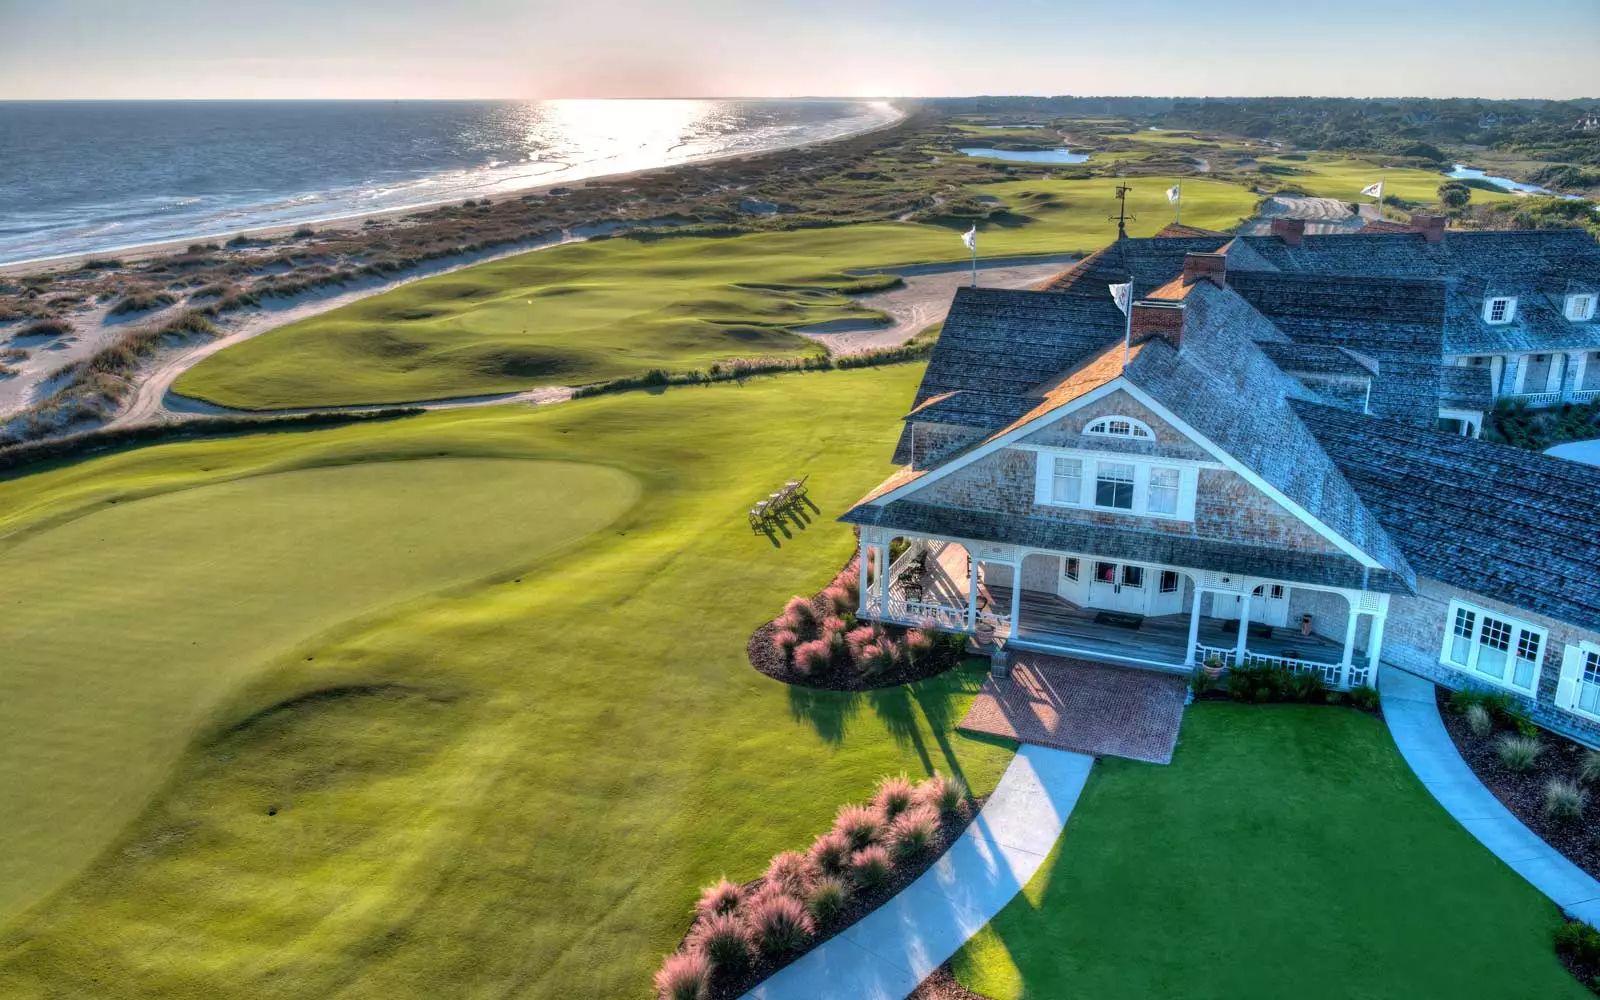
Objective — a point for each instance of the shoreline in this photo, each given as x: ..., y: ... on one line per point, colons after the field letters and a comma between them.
x: 138, y: 252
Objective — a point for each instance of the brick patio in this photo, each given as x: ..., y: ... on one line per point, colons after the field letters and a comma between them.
x: 1078, y: 705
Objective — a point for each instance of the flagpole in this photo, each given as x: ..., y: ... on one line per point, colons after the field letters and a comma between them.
x: 974, y: 263
x: 1127, y: 326
x: 1177, y: 215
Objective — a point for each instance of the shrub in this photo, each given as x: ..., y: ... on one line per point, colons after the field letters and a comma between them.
x: 919, y: 645
x: 870, y: 866
x: 1200, y: 681
x: 1517, y: 753
x: 1578, y: 943
x: 1589, y: 771
x: 780, y: 924
x: 1564, y: 800
x: 876, y: 657
x: 303, y: 232
x: 683, y: 976
x: 798, y: 611
x: 725, y: 941
x: 1306, y: 685
x: 812, y: 656
x: 894, y: 796
x: 941, y: 793
x: 784, y: 641
x: 835, y: 641
x: 826, y: 900
x: 859, y: 825
x: 720, y: 897
x: 858, y: 639
x: 1364, y: 697
x: 1479, y: 720
x: 831, y: 852
x: 913, y: 831
x: 833, y: 623
x: 792, y: 871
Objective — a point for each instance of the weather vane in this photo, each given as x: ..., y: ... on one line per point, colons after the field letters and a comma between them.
x: 1122, y: 218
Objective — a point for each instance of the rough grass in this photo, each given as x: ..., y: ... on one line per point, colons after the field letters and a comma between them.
x: 515, y: 787
x: 1283, y: 845
x: 619, y: 308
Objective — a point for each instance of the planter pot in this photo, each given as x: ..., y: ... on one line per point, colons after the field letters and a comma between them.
x: 984, y: 634
x: 1214, y: 672
x: 1305, y: 624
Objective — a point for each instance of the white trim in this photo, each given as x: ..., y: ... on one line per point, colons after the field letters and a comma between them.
x: 1240, y: 469
x: 1470, y: 668
x: 1044, y: 491
x: 1569, y: 689
x: 1583, y: 315
x: 1510, y: 314
x: 1138, y: 429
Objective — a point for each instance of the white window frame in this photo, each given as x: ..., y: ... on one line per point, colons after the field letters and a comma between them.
x: 1118, y: 474
x: 1137, y: 430
x: 1510, y: 303
x: 1056, y: 478
x: 1045, y: 482
x: 1475, y: 646
x: 1575, y: 659
x: 1072, y: 568
x: 1580, y: 306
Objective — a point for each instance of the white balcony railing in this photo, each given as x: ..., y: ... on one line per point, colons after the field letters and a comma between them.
x: 1330, y: 671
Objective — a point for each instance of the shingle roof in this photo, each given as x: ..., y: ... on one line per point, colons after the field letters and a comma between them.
x: 1463, y: 388
x: 1512, y: 525
x: 1319, y: 359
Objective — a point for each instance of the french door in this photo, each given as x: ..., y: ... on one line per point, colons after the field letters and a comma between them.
x: 1269, y: 605
x: 1117, y: 586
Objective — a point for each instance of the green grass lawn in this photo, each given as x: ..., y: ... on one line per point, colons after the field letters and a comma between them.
x: 450, y: 753
x: 1327, y: 175
x: 1287, y: 851
x: 590, y: 312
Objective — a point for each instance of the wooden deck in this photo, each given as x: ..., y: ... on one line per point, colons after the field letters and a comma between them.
x: 1048, y: 620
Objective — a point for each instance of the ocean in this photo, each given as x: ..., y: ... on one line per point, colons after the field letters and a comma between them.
x: 98, y: 176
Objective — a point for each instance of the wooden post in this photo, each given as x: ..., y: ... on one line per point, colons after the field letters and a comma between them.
x: 972, y: 590
x: 1375, y: 648
x: 883, y: 580
x: 1016, y: 598
x: 1194, y: 627
x: 1349, y: 643
x: 861, y: 573
x: 1239, y: 651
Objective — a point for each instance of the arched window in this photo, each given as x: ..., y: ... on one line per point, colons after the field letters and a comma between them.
x: 1123, y: 427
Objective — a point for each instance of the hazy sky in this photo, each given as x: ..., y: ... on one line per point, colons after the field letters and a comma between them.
x: 687, y: 48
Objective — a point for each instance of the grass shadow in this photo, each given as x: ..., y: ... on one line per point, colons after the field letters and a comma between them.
x: 827, y: 712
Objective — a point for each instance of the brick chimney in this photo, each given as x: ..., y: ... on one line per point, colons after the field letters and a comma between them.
x: 1289, y: 231
x: 1430, y: 226
x: 1198, y: 266
x: 1151, y: 319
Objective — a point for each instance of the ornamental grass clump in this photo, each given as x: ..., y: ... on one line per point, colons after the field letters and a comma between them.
x: 870, y: 866
x: 810, y: 657
x: 685, y: 975
x: 1564, y: 800
x: 1517, y: 753
x: 718, y: 898
x: 833, y: 623
x: 792, y: 872
x: 876, y: 657
x: 831, y: 853
x: 1479, y: 720
x: 835, y: 641
x: 726, y: 943
x: 859, y: 825
x: 780, y: 924
x: 919, y: 645
x: 826, y: 900
x: 797, y: 614
x: 1589, y: 771
x: 839, y: 599
x: 941, y: 793
x: 913, y: 832
x: 894, y: 796
x: 859, y: 638
x: 784, y: 641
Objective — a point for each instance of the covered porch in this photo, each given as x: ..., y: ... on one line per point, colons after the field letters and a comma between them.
x: 1146, y: 615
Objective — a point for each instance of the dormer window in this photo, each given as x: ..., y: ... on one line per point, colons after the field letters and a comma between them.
x: 1122, y: 427
x: 1580, y: 307
x: 1500, y: 309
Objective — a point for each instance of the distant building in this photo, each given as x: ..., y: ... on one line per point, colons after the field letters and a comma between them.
x: 1266, y: 448
x: 1589, y: 122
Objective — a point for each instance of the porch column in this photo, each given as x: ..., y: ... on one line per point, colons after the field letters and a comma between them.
x: 861, y: 573
x: 883, y: 580
x: 972, y: 590
x: 1350, y: 624
x: 1016, y: 599
x: 1194, y: 627
x: 1375, y: 648
x: 1244, y: 627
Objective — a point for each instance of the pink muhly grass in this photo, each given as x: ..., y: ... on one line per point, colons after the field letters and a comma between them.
x: 850, y: 580
x: 839, y: 599
x: 683, y: 976
x: 860, y: 825
x: 793, y: 871
x: 827, y: 899
x: 780, y: 924
x: 725, y: 941
x: 913, y: 831
x: 860, y: 638
x: 833, y: 623
x: 918, y: 644
x: 941, y: 793
x: 720, y: 897
x: 784, y: 640
x: 836, y: 642
x: 812, y: 656
x: 894, y: 795
x: 831, y: 852
x: 870, y: 866
x: 799, y: 609
x: 876, y: 657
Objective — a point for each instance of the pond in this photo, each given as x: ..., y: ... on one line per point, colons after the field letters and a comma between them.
x: 1462, y: 172
x: 1062, y: 155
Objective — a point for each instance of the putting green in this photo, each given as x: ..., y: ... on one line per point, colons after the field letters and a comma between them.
x: 125, y: 628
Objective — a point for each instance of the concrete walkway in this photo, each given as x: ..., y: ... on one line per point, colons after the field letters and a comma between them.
x: 886, y: 955
x: 1412, y: 715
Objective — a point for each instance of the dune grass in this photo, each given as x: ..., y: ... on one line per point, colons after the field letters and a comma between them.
x: 613, y: 308
x: 1287, y: 850
x: 513, y: 786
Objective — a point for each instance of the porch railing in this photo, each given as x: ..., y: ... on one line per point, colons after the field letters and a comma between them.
x: 1585, y: 395
x: 1538, y: 398
x: 1330, y: 671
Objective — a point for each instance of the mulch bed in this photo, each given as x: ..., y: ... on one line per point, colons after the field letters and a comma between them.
x: 842, y: 674
x: 857, y: 907
x: 941, y: 985
x: 1523, y: 794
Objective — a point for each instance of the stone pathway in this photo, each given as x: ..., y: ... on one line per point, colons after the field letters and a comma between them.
x: 1079, y: 705
x: 1412, y: 714
x: 885, y: 955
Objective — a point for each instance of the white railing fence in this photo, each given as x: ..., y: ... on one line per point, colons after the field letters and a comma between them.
x: 1330, y: 671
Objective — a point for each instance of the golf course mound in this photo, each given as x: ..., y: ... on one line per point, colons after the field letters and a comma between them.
x: 126, y: 628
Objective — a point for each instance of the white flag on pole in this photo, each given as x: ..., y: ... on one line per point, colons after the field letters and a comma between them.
x: 1374, y: 190
x: 1173, y: 193
x: 1120, y: 295
x: 970, y: 238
